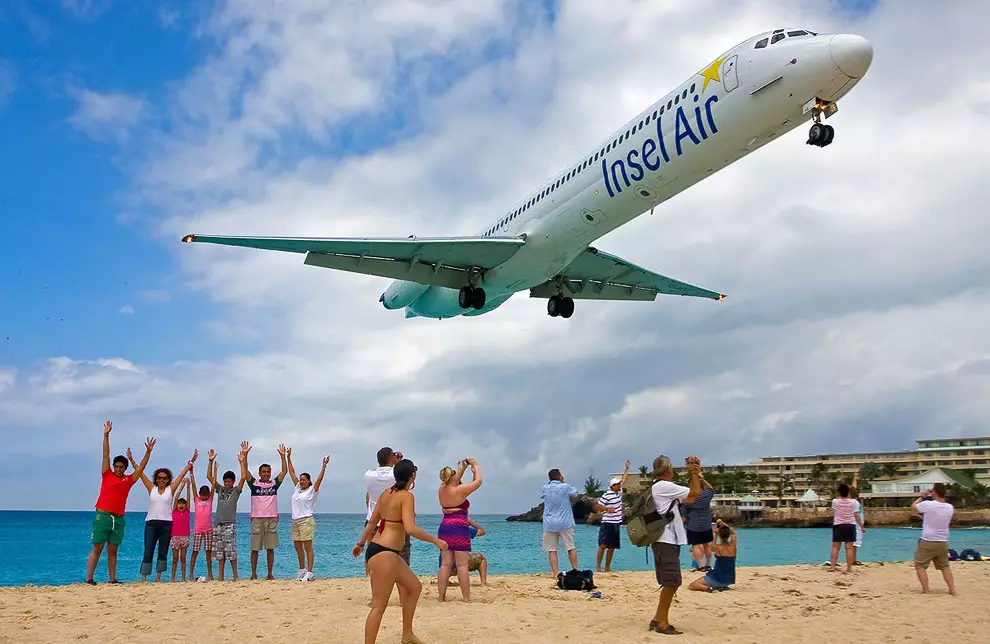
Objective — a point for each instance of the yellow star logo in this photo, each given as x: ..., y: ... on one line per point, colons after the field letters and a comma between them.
x: 711, y: 73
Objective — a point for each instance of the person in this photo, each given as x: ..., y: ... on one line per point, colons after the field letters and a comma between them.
x: 393, y: 517
x: 225, y: 526
x: 698, y: 526
x: 609, y: 533
x: 304, y: 495
x: 667, y: 496
x: 108, y: 523
x: 264, y: 508
x: 854, y: 495
x: 158, y: 521
x: 558, y: 519
x: 844, y: 524
x: 476, y: 560
x: 933, y: 546
x: 455, y: 527
x: 178, y: 543
x: 723, y: 574
x: 377, y: 481
x: 203, y: 529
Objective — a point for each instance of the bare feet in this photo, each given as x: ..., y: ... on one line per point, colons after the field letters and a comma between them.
x: 410, y: 638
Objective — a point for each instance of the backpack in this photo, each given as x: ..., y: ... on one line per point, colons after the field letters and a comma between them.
x: 648, y: 525
x: 576, y: 580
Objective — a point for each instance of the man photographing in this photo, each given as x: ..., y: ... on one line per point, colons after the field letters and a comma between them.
x: 933, y: 546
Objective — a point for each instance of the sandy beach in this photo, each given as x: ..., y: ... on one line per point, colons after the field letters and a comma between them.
x: 876, y: 603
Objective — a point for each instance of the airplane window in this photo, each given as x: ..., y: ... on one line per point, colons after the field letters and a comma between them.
x: 670, y: 104
x: 761, y: 44
x: 777, y: 31
x: 776, y: 38
x: 797, y: 33
x: 655, y: 114
x: 641, y: 125
x: 693, y: 85
x: 661, y: 110
x: 627, y: 134
x: 676, y: 99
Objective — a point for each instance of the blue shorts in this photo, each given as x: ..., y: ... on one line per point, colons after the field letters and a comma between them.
x: 712, y: 583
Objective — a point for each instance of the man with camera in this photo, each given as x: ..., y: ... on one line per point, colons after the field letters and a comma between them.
x: 667, y: 496
x: 933, y: 546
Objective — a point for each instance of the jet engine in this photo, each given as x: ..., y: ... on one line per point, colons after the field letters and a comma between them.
x: 401, y: 294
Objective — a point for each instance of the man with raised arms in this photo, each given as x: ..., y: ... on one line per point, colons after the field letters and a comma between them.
x: 108, y: 524
x: 264, y: 508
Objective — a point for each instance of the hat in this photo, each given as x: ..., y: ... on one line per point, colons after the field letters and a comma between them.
x: 615, y: 480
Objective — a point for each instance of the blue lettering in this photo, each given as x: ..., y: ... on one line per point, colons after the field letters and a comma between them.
x: 708, y: 111
x: 615, y: 179
x: 649, y: 147
x: 680, y: 121
x: 637, y: 169
x: 697, y: 119
x: 605, y: 176
x: 663, y: 145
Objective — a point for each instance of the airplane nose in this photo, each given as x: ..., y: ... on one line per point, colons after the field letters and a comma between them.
x: 852, y: 54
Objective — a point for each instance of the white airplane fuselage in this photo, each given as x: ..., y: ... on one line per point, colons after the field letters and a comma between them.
x: 745, y: 99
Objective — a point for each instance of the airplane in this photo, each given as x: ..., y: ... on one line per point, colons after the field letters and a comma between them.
x: 748, y: 96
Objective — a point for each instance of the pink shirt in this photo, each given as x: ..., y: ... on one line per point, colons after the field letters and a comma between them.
x: 845, y: 511
x: 264, y: 498
x: 204, y: 515
x: 180, y: 523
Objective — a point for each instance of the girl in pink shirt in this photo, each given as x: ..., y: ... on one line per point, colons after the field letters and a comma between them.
x: 180, y: 530
x: 203, y: 529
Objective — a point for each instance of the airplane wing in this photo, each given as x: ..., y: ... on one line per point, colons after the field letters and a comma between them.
x: 435, y: 261
x: 595, y: 275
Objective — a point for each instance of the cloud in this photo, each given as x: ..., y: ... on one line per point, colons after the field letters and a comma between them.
x: 8, y: 82
x: 154, y: 295
x: 110, y: 116
x: 127, y: 309
x: 169, y: 17
x: 87, y: 10
x: 856, y: 274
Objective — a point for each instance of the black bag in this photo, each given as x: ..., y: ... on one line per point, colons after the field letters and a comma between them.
x: 576, y: 580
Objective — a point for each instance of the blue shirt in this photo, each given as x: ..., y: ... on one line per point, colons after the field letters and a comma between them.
x: 557, y: 512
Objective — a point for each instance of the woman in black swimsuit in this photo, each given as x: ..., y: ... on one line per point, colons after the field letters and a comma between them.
x: 394, y: 516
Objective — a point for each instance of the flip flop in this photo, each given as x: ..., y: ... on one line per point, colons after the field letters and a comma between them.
x: 669, y: 630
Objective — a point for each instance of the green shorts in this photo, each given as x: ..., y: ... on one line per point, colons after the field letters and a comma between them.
x: 108, y: 528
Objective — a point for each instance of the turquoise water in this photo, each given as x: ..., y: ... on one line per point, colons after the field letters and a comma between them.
x: 50, y: 548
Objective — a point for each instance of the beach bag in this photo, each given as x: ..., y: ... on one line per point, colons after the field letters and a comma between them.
x: 647, y: 527
x: 576, y: 580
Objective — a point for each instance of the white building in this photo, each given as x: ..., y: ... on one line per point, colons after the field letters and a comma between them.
x: 915, y: 485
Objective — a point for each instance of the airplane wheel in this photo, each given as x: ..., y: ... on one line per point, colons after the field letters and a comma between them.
x: 817, y: 134
x: 478, y: 298
x: 464, y: 297
x: 567, y: 308
x: 829, y: 135
x: 553, y: 306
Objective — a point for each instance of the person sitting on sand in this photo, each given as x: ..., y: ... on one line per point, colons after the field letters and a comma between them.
x: 179, y: 541
x: 455, y: 525
x: 393, y: 518
x: 723, y: 574
x: 108, y: 524
x: 304, y: 494
x: 158, y: 521
x: 844, y: 528
x: 476, y: 560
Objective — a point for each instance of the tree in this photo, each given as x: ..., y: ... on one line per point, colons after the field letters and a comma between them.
x: 761, y: 483
x: 890, y: 469
x: 643, y: 470
x: 817, y: 477
x: 592, y: 486
x: 867, y: 473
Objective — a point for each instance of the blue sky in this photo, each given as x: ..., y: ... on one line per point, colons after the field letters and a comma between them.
x: 125, y: 125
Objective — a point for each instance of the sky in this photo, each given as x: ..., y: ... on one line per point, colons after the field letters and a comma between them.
x: 856, y: 274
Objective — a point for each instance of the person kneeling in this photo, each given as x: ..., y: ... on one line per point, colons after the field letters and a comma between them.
x: 723, y: 574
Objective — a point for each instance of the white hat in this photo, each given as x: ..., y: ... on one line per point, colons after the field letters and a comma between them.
x: 614, y: 481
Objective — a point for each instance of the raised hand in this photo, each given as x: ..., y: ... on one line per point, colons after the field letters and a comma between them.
x: 281, y: 450
x: 326, y: 460
x: 107, y: 428
x: 212, y: 455
x: 245, y: 448
x: 628, y: 463
x: 130, y: 456
x: 194, y: 456
x: 150, y: 443
x: 242, y: 455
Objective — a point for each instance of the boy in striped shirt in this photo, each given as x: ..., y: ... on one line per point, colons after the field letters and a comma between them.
x: 610, y: 504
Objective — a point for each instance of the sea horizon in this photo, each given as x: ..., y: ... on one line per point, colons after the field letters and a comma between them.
x: 50, y: 547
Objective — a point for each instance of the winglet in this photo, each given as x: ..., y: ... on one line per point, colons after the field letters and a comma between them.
x: 188, y: 239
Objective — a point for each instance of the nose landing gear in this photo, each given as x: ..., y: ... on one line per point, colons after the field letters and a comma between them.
x: 821, y: 135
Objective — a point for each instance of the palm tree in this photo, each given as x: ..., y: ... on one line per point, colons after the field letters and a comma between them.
x: 890, y: 469
x: 816, y: 478
x: 643, y: 470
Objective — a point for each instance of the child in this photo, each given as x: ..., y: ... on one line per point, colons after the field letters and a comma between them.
x: 723, y: 574
x: 179, y: 542
x: 226, y: 528
x: 203, y: 528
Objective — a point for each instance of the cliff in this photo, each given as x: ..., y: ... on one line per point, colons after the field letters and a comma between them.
x: 582, y: 505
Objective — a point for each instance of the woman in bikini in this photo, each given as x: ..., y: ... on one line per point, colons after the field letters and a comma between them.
x: 394, y: 516
x: 455, y: 529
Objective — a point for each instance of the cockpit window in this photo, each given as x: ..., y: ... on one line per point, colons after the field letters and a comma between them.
x: 763, y: 43
x: 797, y: 33
x: 776, y: 38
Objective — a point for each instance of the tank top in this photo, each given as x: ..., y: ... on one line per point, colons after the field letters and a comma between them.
x: 724, y: 571
x: 159, y: 505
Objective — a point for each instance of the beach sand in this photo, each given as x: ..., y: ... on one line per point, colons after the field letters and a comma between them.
x: 876, y: 603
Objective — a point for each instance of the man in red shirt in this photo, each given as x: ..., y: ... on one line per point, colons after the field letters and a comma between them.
x: 108, y: 524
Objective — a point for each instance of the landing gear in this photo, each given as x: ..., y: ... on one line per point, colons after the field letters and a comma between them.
x: 821, y: 135
x: 558, y: 305
x: 471, y: 297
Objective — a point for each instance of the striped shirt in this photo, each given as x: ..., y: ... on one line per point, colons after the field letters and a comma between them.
x: 699, y: 513
x: 612, y: 500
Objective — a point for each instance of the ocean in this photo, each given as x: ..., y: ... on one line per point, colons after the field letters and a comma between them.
x: 50, y: 548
